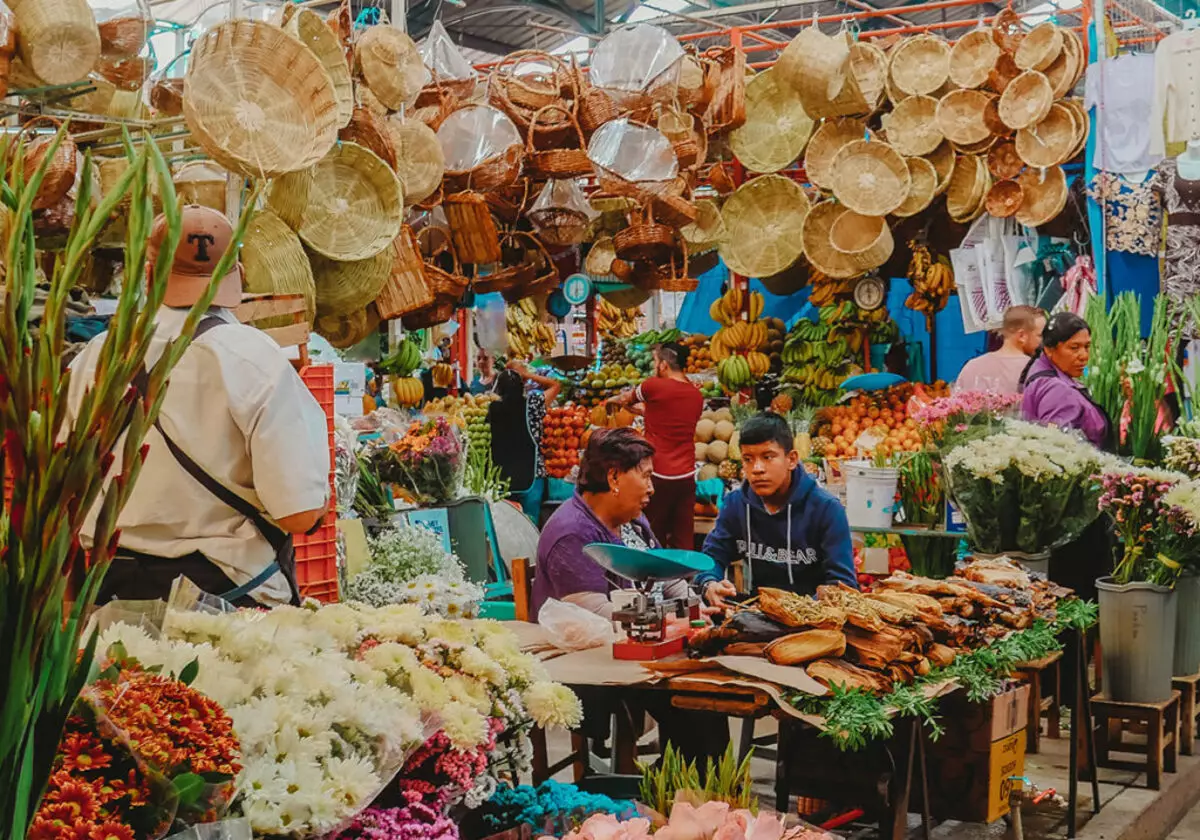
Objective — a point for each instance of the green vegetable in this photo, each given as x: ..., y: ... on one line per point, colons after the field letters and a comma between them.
x: 661, y: 781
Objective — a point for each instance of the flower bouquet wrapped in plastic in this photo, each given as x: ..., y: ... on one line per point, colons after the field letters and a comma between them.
x: 427, y: 462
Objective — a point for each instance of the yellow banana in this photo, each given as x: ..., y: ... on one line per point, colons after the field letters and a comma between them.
x: 756, y: 305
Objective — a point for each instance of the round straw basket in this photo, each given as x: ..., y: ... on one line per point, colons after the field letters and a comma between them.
x: 354, y: 206
x: 708, y: 231
x: 1002, y: 74
x: 764, y: 219
x: 345, y: 331
x: 420, y: 162
x: 1051, y: 141
x: 59, y: 40
x: 923, y: 184
x: 472, y: 229
x: 503, y: 170
x: 166, y: 97
x: 288, y: 196
x: 870, y: 177
x: 201, y: 182
x: 826, y: 142
x: 600, y: 257
x: 406, y: 289
x: 973, y: 58
x: 560, y: 226
x: 865, y: 241
x: 258, y: 101
x: 1039, y: 47
x: 391, y: 65
x: 370, y: 131
x: 968, y: 188
x: 920, y: 65
x: 817, y: 246
x: 1083, y: 126
x: 1003, y: 162
x: 311, y: 30
x: 646, y: 239
x: 960, y: 116
x: 1063, y: 72
x: 275, y: 263
x: 817, y: 67
x: 1004, y: 199
x: 869, y: 64
x: 1008, y: 30
x: 344, y: 287
x: 430, y: 316
x: 991, y: 118
x: 1026, y: 100
x: 1074, y: 47
x: 128, y: 73
x: 125, y: 35
x: 570, y: 162
x: 912, y: 127
x: 60, y: 171
x: 1045, y: 195
x: 776, y: 128
x: 943, y: 160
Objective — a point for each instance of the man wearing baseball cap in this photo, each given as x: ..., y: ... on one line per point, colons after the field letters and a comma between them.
x: 239, y: 459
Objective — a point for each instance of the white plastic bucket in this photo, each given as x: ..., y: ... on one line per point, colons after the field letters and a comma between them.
x: 870, y: 494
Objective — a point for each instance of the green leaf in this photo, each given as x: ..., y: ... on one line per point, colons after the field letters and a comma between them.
x: 188, y: 787
x: 188, y: 675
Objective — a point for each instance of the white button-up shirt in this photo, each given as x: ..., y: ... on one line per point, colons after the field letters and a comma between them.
x: 238, y: 408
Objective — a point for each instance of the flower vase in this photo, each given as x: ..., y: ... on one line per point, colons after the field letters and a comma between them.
x: 1137, y: 640
x: 1187, y: 625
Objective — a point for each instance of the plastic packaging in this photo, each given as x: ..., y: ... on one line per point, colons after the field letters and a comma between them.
x: 635, y: 152
x: 475, y: 134
x: 637, y: 62
x: 490, y: 326
x: 232, y: 829
x: 571, y: 627
x: 445, y: 61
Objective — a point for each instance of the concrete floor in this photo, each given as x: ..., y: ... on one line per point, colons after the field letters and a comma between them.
x: 1189, y: 827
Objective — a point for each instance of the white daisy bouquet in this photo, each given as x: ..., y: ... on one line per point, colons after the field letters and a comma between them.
x: 1025, y: 487
x: 329, y: 703
x: 409, y: 565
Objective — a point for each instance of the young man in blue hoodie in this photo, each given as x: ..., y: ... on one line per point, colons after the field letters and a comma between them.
x: 789, y: 532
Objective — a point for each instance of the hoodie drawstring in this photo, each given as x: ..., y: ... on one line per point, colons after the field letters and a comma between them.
x: 749, y: 558
x: 791, y: 574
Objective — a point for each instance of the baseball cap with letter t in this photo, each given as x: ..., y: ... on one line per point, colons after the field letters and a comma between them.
x: 206, y: 235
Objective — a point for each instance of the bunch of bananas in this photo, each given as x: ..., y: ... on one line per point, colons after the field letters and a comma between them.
x: 825, y: 290
x: 727, y: 309
x: 739, y: 371
x: 613, y: 322
x: 739, y: 338
x: 528, y: 335
x: 442, y: 375
x: 404, y: 359
x: 407, y: 391
x: 932, y: 281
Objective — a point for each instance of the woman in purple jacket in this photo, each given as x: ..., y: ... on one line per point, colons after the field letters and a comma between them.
x: 1053, y: 394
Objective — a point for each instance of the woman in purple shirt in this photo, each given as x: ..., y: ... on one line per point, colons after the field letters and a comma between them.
x: 1053, y: 394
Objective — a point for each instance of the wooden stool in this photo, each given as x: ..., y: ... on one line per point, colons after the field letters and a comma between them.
x: 1045, y: 681
x: 1186, y: 686
x: 1162, y: 735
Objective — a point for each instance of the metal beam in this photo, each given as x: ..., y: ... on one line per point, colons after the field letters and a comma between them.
x: 420, y: 23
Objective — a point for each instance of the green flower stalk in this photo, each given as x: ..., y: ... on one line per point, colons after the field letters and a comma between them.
x: 48, y: 583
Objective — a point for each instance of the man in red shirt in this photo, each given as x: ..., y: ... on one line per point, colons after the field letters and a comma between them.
x: 672, y: 406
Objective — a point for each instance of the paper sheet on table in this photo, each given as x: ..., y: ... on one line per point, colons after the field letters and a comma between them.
x: 788, y: 676
x: 596, y: 667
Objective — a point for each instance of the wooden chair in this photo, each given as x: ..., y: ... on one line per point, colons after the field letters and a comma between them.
x: 1162, y: 736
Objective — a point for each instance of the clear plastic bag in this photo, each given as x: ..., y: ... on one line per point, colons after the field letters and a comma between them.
x: 491, y: 328
x: 237, y: 828
x: 475, y: 134
x: 445, y: 61
x: 635, y: 152
x: 571, y: 627
x: 636, y: 62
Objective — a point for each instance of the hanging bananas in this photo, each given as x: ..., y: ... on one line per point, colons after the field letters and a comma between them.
x: 613, y: 322
x: 528, y: 335
x: 932, y: 281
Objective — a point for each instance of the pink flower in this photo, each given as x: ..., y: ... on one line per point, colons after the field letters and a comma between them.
x: 687, y: 822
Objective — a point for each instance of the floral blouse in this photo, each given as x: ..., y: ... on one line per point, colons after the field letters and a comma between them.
x: 1133, y: 216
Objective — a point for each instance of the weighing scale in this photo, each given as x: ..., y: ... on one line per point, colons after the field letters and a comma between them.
x: 644, y: 619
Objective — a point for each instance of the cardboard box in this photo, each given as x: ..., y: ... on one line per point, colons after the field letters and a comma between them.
x: 974, y: 785
x: 975, y: 726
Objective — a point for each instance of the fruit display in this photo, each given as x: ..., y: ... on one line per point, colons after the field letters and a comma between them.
x: 615, y: 353
x: 738, y: 346
x: 407, y: 391
x: 613, y: 322
x: 819, y: 355
x: 699, y: 354
x: 528, y: 335
x: 884, y: 413
x: 403, y: 360
x: 471, y: 409
x: 717, y: 447
x: 596, y: 386
x: 611, y: 417
x: 475, y: 412
x: 932, y: 281
x: 827, y: 290
x: 562, y: 437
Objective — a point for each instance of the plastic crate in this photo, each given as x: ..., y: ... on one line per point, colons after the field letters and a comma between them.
x: 316, y: 553
x: 8, y: 488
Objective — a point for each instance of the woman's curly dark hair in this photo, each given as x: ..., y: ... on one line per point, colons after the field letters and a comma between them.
x: 611, y: 449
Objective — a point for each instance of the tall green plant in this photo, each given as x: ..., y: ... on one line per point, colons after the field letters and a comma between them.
x: 61, y: 469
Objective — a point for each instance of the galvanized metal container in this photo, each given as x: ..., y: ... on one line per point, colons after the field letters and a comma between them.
x: 1137, y: 636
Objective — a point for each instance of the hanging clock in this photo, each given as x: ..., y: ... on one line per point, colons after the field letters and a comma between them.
x: 869, y: 293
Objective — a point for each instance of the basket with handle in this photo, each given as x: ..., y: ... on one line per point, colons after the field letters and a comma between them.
x: 517, y: 267
x: 556, y: 163
x: 472, y: 228
x: 727, y: 108
x: 446, y: 283
x: 546, y: 280
x: 594, y: 106
x: 201, y: 182
x: 492, y: 174
x: 673, y: 276
x: 407, y: 287
x: 646, y: 239
x: 522, y: 96
x: 60, y: 172
x: 436, y: 313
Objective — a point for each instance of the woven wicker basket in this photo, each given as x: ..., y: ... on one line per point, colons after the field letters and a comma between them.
x: 288, y: 196
x: 991, y: 118
x: 1003, y: 74
x: 1004, y: 199
x: 59, y: 40
x: 818, y: 68
x: 345, y: 287
x: 503, y: 170
x: 354, y: 207
x: 764, y: 219
x: 125, y: 35
x: 968, y: 188
x: 869, y: 64
x: 345, y: 331
x: 865, y: 241
x: 788, y: 282
x: 370, y: 131
x: 600, y: 258
x: 920, y: 65
x: 1074, y: 46
x: 645, y: 239
x: 1083, y: 125
x: 406, y: 289
x: 1045, y: 195
x: 870, y: 177
x: 420, y: 162
x: 708, y: 231
x: 1003, y: 162
x: 776, y: 128
x: 943, y: 160
x: 569, y: 162
x: 311, y: 30
x: 923, y: 184
x: 472, y: 229
x: 60, y: 171
x: 1026, y: 100
x: 727, y: 69
x: 391, y: 65
x: 973, y: 58
x: 1051, y: 141
x: 548, y: 80
x: 595, y: 109
x: 820, y: 251
x: 826, y: 142
x: 275, y: 263
x: 258, y: 101
x: 166, y: 97
x: 960, y: 115
x: 1063, y: 73
x: 430, y: 316
x: 1040, y: 46
x: 912, y: 127
x: 128, y: 73
x: 560, y: 226
x: 443, y: 271
x: 524, y: 257
x: 201, y: 182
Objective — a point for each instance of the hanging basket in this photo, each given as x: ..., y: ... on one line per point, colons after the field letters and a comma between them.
x: 923, y: 185
x: 523, y: 257
x: 912, y: 127
x: 1008, y: 30
x: 345, y: 331
x: 60, y: 172
x: 1003, y: 162
x: 1040, y: 47
x: 275, y: 264
x: 764, y: 218
x: 1026, y: 101
x: 520, y: 95
x: 346, y: 287
x: 59, y: 40
x: 125, y: 35
x: 499, y: 171
x: 370, y: 131
x: 673, y: 210
x: 406, y: 289
x: 201, y: 182
x: 258, y: 101
x: 1051, y: 141
x: 817, y: 246
x: 1002, y: 74
x: 1045, y: 195
x: 870, y: 177
x: 391, y: 65
x: 707, y: 231
x: 645, y: 240
x: 420, y: 162
x: 943, y: 160
x: 776, y: 128
x: 308, y: 27
x: 968, y: 188
x: 556, y: 163
x: 826, y: 143
x: 430, y: 316
x: 973, y: 58
x: 727, y: 110
x: 166, y: 97
x: 443, y: 271
x: 472, y: 229
x: 288, y: 196
x: 818, y: 68
x: 354, y: 207
x: 960, y: 116
x: 560, y: 226
x: 595, y: 108
x: 865, y: 241
x: 920, y: 65
x: 1004, y: 199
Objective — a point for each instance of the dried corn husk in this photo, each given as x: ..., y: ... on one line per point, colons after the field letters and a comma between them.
x: 798, y: 648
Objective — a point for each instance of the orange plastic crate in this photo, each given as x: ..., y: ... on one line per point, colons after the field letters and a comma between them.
x: 316, y: 553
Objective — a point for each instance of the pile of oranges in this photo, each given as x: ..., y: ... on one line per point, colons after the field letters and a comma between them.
x: 563, y: 433
x: 882, y: 413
